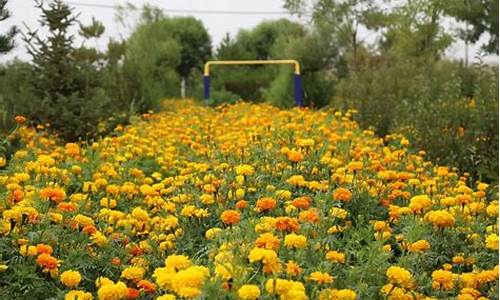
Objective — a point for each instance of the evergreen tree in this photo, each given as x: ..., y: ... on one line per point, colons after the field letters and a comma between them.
x: 6, y: 39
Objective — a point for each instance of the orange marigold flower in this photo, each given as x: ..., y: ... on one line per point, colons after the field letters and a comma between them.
x: 287, y: 224
x: 302, y: 202
x: 20, y: 119
x: 295, y: 156
x: 132, y: 293
x: 342, y: 194
x: 47, y: 261
x: 265, y: 204
x: 321, y: 277
x: 242, y: 204
x: 89, y: 229
x: 55, y: 194
x: 66, y: 206
x: 310, y: 215
x: 43, y: 249
x: 293, y: 269
x: 230, y: 217
x: 147, y: 286
x: 268, y: 241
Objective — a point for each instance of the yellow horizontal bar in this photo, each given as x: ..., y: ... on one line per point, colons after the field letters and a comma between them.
x: 251, y: 62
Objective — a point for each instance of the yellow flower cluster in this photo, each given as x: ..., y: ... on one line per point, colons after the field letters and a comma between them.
x: 243, y: 201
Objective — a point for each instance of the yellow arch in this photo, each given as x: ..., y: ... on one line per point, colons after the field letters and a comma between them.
x: 251, y: 62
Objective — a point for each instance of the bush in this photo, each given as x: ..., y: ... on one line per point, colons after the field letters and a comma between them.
x: 443, y: 107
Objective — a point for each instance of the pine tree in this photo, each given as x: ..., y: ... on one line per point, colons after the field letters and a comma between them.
x: 6, y: 39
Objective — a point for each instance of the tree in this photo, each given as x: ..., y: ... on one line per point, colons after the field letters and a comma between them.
x: 482, y: 15
x: 7, y: 39
x: 196, y: 46
x: 65, y: 80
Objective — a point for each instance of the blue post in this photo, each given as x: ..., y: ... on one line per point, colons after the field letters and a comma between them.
x: 206, y: 87
x: 298, y: 90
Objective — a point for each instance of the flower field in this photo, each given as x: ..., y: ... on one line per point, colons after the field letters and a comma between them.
x: 242, y: 202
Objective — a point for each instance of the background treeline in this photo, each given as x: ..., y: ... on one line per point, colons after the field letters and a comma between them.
x: 399, y: 81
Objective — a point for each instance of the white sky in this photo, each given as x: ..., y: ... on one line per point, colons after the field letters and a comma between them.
x: 23, y: 11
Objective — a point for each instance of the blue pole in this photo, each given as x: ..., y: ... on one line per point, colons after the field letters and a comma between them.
x: 206, y: 87
x: 298, y: 90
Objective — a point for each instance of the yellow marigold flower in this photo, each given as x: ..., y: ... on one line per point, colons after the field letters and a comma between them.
x: 212, y: 233
x: 380, y: 226
x: 338, y: 212
x: 342, y: 194
x: 140, y: 214
x: 335, y: 256
x: 113, y: 291
x: 286, y: 289
x: 71, y: 278
x: 491, y: 242
x: 187, y: 283
x: 419, y: 203
x: 295, y: 241
x: 249, y: 292
x: 440, y: 218
x: 419, y: 246
x: 244, y: 170
x: 399, y: 276
x: 177, y: 262
x: 320, y: 277
x: 442, y: 279
x: 133, y: 273
x: 99, y: 238
x: 166, y: 297
x: 268, y: 241
x: 343, y: 294
x: 78, y: 295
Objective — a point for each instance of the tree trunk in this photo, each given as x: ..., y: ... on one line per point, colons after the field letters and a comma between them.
x: 183, y: 87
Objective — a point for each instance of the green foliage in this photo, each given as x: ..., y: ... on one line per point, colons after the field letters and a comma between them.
x: 63, y: 78
x: 482, y: 16
x: 7, y: 39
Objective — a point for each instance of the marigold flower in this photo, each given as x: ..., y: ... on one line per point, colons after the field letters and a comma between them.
x: 147, y: 286
x: 249, y: 292
x: 293, y: 269
x: 241, y: 204
x: 302, y: 202
x: 20, y: 119
x: 335, y: 256
x: 419, y: 246
x: 321, y: 278
x: 71, y: 278
x: 491, y: 242
x: 268, y: 241
x: 187, y: 283
x: 342, y: 194
x: 43, y: 248
x: 440, y: 218
x: 442, y: 279
x: 287, y: 224
x: 78, y: 295
x: 177, y: 262
x: 419, y: 203
x: 265, y: 204
x: 399, y: 276
x: 230, y: 217
x: 47, y: 261
x: 112, y: 291
x: 296, y: 241
x: 244, y: 170
x: 133, y: 273
x: 294, y: 156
